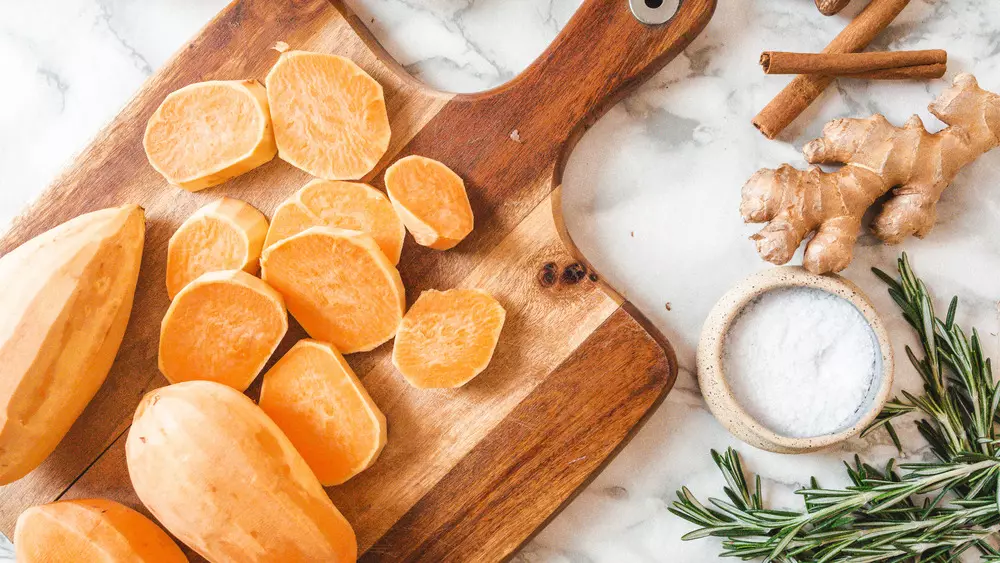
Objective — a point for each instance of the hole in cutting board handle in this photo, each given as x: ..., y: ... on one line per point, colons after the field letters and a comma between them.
x: 654, y: 12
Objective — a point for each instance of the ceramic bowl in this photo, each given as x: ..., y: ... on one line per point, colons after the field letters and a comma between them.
x: 711, y: 374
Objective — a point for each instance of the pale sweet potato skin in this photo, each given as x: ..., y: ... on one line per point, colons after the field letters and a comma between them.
x: 73, y: 531
x: 195, y: 479
x: 61, y: 328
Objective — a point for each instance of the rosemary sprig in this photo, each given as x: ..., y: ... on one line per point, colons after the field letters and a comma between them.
x: 925, y: 512
x: 964, y: 414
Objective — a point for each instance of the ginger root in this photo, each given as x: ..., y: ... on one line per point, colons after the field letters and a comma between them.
x: 877, y: 157
x: 831, y: 7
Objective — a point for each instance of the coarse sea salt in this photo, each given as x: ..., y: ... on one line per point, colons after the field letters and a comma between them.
x: 802, y: 362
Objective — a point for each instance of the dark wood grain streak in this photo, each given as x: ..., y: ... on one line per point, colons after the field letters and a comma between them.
x: 537, y: 423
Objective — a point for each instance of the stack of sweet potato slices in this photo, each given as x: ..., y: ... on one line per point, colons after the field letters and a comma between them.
x: 329, y: 255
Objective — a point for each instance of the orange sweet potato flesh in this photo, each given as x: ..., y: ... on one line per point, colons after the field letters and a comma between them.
x: 345, y: 205
x: 209, y: 132
x: 66, y: 299
x: 329, y: 115
x: 319, y: 403
x: 447, y: 337
x: 431, y: 200
x: 76, y: 531
x: 339, y: 285
x: 227, y: 234
x: 217, y: 472
x: 221, y: 327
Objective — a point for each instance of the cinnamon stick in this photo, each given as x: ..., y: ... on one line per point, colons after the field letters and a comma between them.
x: 805, y: 88
x: 919, y: 72
x: 839, y: 64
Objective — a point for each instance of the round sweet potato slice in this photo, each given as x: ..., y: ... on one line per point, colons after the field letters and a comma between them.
x: 72, y: 531
x: 227, y: 234
x: 431, y: 200
x: 345, y: 205
x: 209, y: 132
x: 447, y: 337
x: 329, y: 115
x: 339, y: 285
x: 221, y: 327
x: 313, y: 395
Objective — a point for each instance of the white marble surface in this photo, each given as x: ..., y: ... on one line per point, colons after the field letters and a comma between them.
x: 651, y: 192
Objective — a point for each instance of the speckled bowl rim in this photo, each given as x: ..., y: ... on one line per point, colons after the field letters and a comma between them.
x: 711, y: 375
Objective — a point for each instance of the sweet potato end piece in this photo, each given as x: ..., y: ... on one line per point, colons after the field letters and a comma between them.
x: 63, y: 324
x: 313, y: 395
x: 448, y: 337
x: 90, y: 530
x: 261, y: 488
x: 221, y: 327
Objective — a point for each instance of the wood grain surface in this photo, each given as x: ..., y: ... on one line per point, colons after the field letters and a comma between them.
x: 467, y: 474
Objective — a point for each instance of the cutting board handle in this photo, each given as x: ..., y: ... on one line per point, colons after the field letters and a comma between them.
x: 601, y: 55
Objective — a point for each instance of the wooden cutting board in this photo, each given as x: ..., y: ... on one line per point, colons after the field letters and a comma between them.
x: 468, y: 474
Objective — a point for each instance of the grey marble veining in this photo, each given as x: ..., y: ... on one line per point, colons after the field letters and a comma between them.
x: 651, y: 193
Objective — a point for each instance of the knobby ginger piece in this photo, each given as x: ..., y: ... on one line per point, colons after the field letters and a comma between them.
x: 209, y: 132
x: 67, y: 295
x: 431, y: 200
x: 329, y: 115
x: 224, y: 235
x: 339, y: 285
x: 447, y: 337
x: 346, y: 205
x: 319, y: 403
x: 221, y: 327
x: 225, y: 480
x: 73, y: 531
x: 877, y: 157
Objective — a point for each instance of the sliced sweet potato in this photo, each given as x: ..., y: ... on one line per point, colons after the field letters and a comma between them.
x: 346, y: 205
x: 339, y: 285
x: 227, y: 234
x: 66, y: 298
x: 209, y: 132
x: 221, y: 327
x: 431, y: 200
x: 317, y: 401
x: 73, y: 531
x: 329, y: 115
x: 447, y: 337
x: 222, y: 477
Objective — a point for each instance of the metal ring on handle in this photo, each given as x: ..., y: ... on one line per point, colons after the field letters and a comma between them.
x: 653, y: 12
